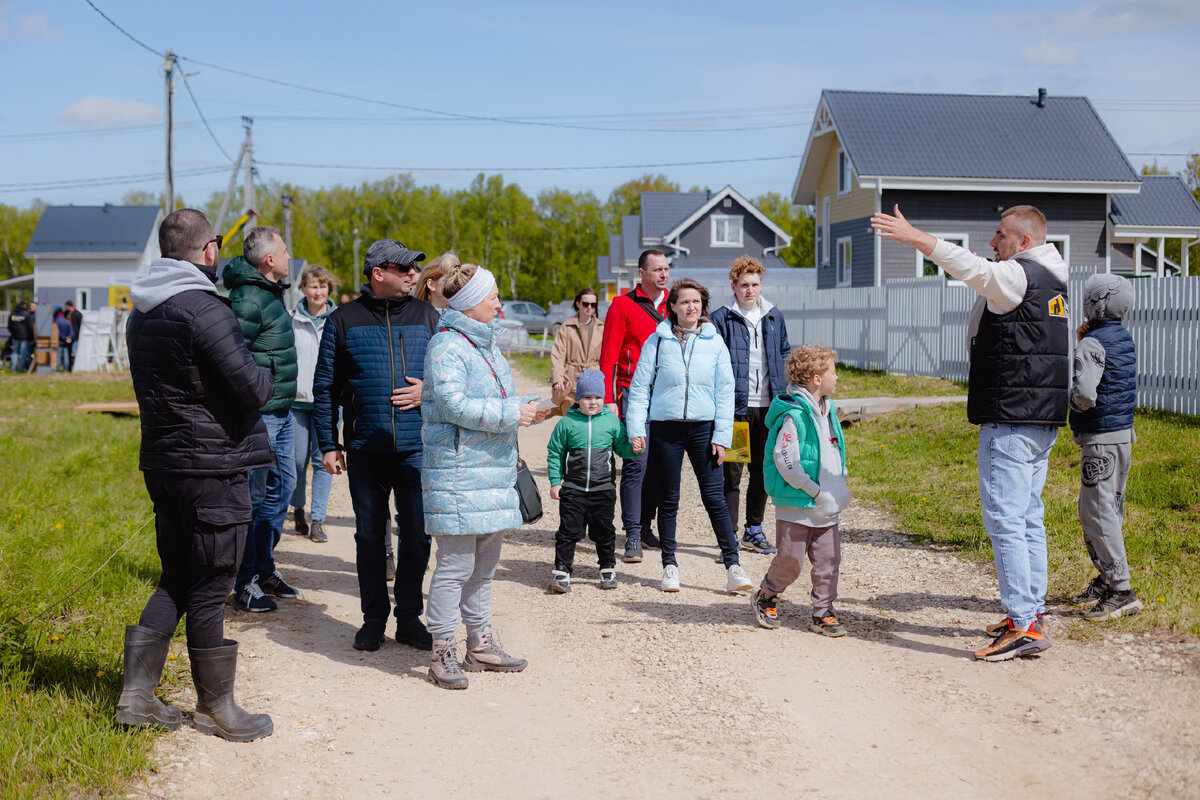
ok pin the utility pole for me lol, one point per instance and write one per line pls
(169, 71)
(356, 264)
(287, 221)
(248, 199)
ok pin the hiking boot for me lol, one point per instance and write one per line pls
(251, 598)
(650, 541)
(1013, 643)
(145, 657)
(443, 665)
(766, 610)
(413, 633)
(736, 579)
(997, 628)
(317, 531)
(633, 550)
(276, 585)
(670, 578)
(1091, 595)
(485, 652)
(369, 636)
(560, 582)
(301, 523)
(755, 541)
(213, 672)
(1114, 605)
(608, 579)
(827, 624)
(390, 573)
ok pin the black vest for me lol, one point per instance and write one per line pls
(1116, 395)
(1020, 369)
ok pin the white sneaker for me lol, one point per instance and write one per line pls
(738, 581)
(670, 578)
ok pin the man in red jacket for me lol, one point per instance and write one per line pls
(631, 318)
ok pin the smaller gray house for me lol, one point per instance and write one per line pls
(701, 233)
(91, 254)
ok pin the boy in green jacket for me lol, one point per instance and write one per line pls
(805, 474)
(582, 471)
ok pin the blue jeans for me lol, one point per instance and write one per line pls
(373, 478)
(1012, 461)
(668, 443)
(307, 450)
(20, 354)
(64, 358)
(633, 476)
(270, 489)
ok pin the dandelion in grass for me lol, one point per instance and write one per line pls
(58, 526)
(1160, 599)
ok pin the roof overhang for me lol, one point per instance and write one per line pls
(699, 213)
(17, 283)
(816, 151)
(106, 256)
(1132, 232)
(911, 182)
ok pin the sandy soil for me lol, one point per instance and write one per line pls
(636, 693)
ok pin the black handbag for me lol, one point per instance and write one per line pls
(527, 493)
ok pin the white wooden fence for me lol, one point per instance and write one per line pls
(918, 326)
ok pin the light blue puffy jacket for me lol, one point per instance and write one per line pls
(469, 431)
(694, 384)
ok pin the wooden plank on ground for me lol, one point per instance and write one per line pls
(113, 407)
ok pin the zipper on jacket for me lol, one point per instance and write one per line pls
(687, 378)
(387, 315)
(587, 481)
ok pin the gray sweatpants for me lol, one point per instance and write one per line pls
(1104, 470)
(462, 580)
(823, 546)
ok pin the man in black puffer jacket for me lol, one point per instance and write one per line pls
(256, 284)
(199, 393)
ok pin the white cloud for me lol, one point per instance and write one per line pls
(1102, 18)
(104, 112)
(1048, 53)
(34, 26)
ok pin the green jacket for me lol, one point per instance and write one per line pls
(266, 327)
(809, 443)
(581, 449)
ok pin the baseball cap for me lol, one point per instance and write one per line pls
(389, 251)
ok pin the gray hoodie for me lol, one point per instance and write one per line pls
(168, 277)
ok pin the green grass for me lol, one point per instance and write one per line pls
(920, 464)
(860, 383)
(531, 366)
(71, 496)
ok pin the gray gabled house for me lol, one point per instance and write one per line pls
(953, 162)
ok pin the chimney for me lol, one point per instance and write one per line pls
(1041, 103)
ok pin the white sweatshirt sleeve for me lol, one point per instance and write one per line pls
(1001, 283)
(786, 454)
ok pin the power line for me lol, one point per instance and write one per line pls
(77, 183)
(217, 142)
(576, 168)
(131, 37)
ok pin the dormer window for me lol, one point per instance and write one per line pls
(726, 230)
(845, 173)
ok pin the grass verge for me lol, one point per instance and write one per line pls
(71, 500)
(920, 464)
(860, 383)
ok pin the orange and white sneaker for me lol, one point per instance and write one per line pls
(826, 624)
(1015, 643)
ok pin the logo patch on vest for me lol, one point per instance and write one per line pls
(1057, 306)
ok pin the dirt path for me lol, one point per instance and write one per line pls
(636, 693)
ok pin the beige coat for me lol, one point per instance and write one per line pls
(571, 355)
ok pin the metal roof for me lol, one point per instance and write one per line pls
(1163, 202)
(93, 229)
(976, 136)
(631, 237)
(662, 211)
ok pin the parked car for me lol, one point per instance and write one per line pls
(531, 315)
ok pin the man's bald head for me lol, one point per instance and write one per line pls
(184, 235)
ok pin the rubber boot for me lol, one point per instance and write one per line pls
(145, 656)
(213, 670)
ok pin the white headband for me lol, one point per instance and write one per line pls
(475, 292)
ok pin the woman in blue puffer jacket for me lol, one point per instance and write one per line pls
(470, 419)
(684, 385)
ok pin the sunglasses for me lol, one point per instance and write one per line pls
(219, 239)
(403, 268)
(586, 303)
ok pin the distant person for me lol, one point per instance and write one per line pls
(1017, 395)
(632, 318)
(805, 472)
(756, 334)
(429, 282)
(76, 317)
(255, 281)
(582, 466)
(372, 362)
(683, 386)
(198, 391)
(21, 333)
(1103, 396)
(576, 348)
(65, 337)
(471, 416)
(308, 320)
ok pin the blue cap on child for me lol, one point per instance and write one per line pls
(590, 384)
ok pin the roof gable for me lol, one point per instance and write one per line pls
(728, 192)
(1164, 201)
(93, 229)
(663, 211)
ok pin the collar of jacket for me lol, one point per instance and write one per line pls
(764, 305)
(241, 272)
(381, 305)
(667, 331)
(574, 412)
(481, 334)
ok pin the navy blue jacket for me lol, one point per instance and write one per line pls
(1116, 394)
(732, 328)
(368, 346)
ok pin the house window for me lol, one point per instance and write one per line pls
(843, 260)
(825, 231)
(82, 299)
(1063, 243)
(726, 231)
(845, 173)
(925, 267)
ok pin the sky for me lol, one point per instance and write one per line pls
(579, 96)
